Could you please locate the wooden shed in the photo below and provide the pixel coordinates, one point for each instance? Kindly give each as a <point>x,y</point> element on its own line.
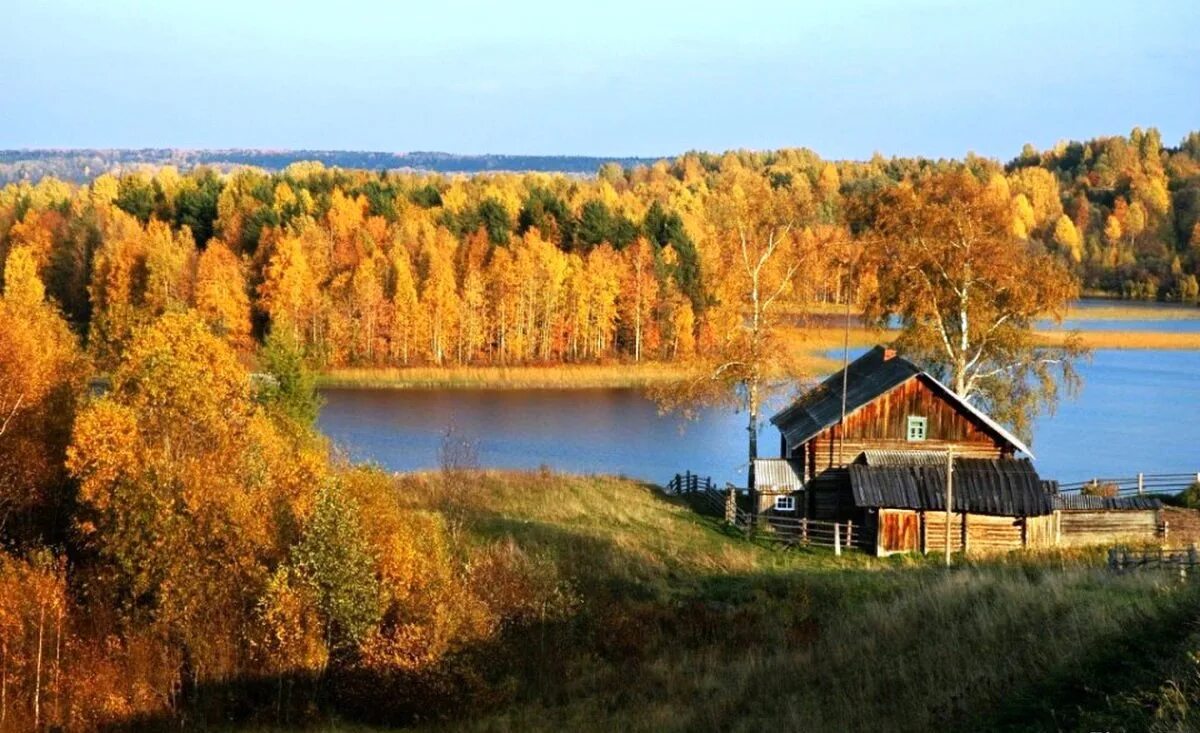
<point>999,504</point>
<point>1090,520</point>
<point>779,487</point>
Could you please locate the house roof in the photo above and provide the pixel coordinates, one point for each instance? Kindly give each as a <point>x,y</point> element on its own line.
<point>997,486</point>
<point>778,474</point>
<point>868,378</point>
<point>1083,502</point>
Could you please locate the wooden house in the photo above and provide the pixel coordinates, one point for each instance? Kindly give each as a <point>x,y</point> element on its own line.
<point>871,447</point>
<point>883,465</point>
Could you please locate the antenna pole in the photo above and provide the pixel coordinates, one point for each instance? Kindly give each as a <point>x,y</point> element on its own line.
<point>845,365</point>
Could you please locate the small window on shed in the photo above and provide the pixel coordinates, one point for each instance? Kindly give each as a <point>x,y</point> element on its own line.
<point>785,503</point>
<point>917,427</point>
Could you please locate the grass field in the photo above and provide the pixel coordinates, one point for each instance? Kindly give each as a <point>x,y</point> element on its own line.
<point>682,625</point>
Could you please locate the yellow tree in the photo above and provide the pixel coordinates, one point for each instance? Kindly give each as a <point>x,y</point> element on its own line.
<point>1066,236</point>
<point>405,305</point>
<point>755,228</point>
<point>968,292</point>
<point>187,489</point>
<point>439,296</point>
<point>639,292</point>
<point>41,374</point>
<point>288,289</point>
<point>221,295</point>
<point>170,259</point>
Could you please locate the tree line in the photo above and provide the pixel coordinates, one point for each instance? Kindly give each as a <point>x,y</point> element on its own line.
<point>380,269</point>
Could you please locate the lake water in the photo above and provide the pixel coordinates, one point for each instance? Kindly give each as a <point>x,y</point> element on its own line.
<point>1138,411</point>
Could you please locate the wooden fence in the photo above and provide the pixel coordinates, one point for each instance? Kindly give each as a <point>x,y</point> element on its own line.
<point>1121,559</point>
<point>785,531</point>
<point>1143,483</point>
<point>689,483</point>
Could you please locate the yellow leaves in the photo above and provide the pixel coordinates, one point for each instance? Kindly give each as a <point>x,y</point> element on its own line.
<point>1040,188</point>
<point>23,288</point>
<point>220,294</point>
<point>1023,217</point>
<point>1066,236</point>
<point>103,451</point>
<point>1112,229</point>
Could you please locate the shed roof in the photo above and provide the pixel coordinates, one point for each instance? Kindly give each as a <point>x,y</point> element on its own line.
<point>1083,502</point>
<point>997,486</point>
<point>778,474</point>
<point>874,457</point>
<point>868,378</point>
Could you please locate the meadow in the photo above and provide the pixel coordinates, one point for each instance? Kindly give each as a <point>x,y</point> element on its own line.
<point>679,624</point>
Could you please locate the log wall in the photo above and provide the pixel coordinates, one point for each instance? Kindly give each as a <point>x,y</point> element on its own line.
<point>883,425</point>
<point>1078,528</point>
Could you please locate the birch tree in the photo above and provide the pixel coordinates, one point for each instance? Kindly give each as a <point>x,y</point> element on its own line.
<point>758,231</point>
<point>967,293</point>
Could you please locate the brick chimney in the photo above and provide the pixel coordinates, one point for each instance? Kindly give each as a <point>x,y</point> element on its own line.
<point>889,354</point>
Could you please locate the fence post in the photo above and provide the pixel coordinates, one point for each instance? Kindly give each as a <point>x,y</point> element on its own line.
<point>837,539</point>
<point>1112,558</point>
<point>730,505</point>
<point>850,533</point>
<point>804,529</point>
<point>1166,530</point>
<point>1141,483</point>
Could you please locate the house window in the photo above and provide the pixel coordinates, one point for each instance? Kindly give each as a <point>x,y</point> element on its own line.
<point>917,427</point>
<point>785,503</point>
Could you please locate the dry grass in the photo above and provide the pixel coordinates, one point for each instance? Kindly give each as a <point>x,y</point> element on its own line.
<point>562,376</point>
<point>814,352</point>
<point>1132,312</point>
<point>1127,339</point>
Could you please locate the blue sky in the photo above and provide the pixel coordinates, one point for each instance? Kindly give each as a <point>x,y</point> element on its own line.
<point>929,77</point>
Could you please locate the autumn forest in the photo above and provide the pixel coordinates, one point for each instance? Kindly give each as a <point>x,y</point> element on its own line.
<point>179,540</point>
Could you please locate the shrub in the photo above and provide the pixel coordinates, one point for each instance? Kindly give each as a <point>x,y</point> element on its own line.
<point>1190,497</point>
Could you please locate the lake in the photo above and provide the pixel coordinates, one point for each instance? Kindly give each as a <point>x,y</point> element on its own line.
<point>1138,411</point>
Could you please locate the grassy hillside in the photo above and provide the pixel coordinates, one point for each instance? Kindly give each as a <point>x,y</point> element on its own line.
<point>678,624</point>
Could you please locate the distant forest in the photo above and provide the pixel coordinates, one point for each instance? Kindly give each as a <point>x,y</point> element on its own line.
<point>376,268</point>
<point>84,165</point>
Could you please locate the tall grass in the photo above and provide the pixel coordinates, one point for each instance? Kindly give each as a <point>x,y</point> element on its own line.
<point>562,376</point>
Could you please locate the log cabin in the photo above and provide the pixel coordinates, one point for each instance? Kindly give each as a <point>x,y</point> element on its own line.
<point>883,466</point>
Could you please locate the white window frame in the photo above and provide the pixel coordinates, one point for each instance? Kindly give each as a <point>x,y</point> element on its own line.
<point>917,421</point>
<point>785,503</point>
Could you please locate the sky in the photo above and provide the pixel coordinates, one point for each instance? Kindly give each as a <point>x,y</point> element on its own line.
<point>938,78</point>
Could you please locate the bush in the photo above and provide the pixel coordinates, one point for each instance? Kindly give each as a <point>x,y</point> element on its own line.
<point>1190,497</point>
<point>1107,490</point>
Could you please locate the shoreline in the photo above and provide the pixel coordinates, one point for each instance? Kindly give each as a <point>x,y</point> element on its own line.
<point>809,355</point>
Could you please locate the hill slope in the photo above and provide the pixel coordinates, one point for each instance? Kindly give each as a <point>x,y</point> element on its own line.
<point>681,625</point>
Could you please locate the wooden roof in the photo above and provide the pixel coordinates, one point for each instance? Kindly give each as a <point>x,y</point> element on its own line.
<point>779,474</point>
<point>868,378</point>
<point>996,486</point>
<point>1083,503</point>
